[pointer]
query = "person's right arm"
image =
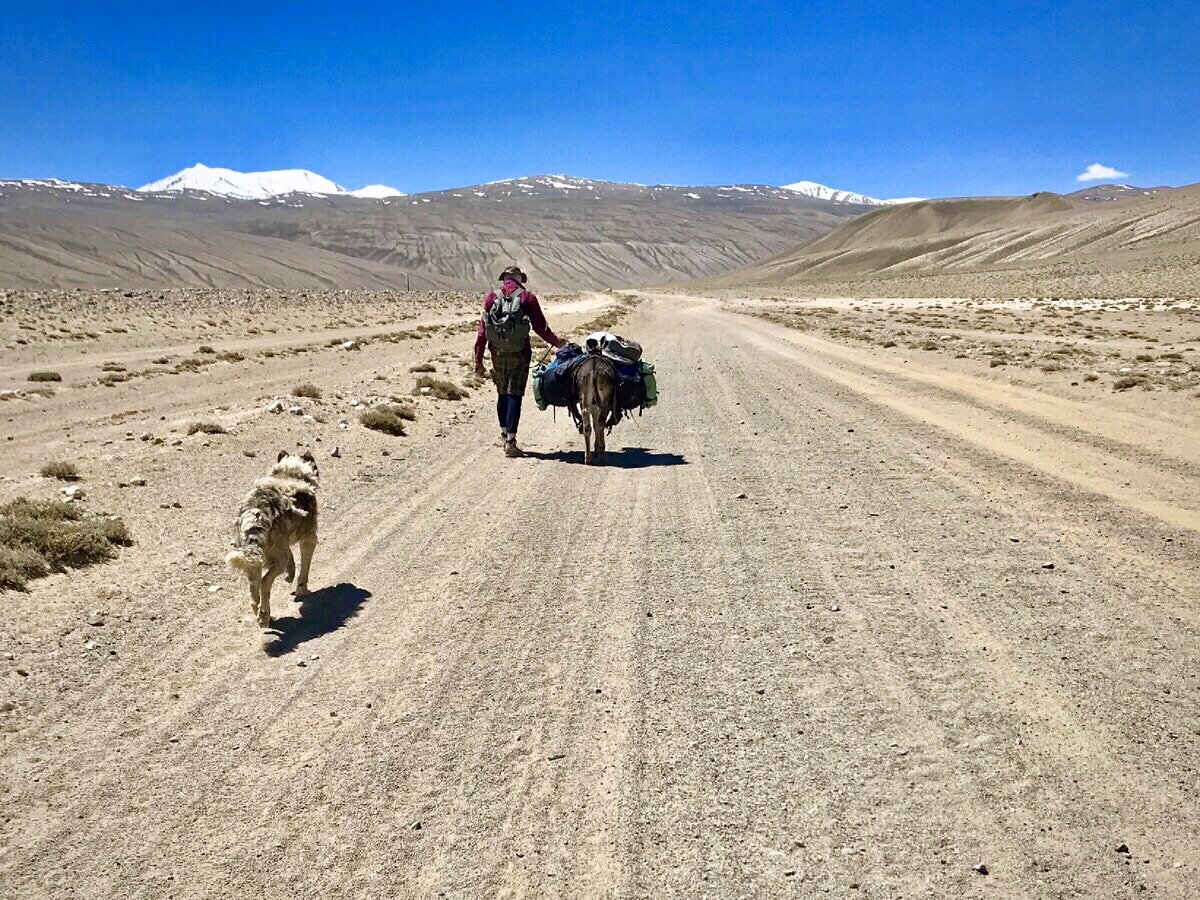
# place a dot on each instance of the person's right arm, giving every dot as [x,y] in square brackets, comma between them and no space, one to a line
[481,334]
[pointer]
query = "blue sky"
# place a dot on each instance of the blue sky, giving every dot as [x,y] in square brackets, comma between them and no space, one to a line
[933,99]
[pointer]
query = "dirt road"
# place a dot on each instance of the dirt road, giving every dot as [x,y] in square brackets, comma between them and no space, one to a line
[825,626]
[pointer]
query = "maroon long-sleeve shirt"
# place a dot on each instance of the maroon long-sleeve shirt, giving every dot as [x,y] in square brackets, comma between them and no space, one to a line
[533,309]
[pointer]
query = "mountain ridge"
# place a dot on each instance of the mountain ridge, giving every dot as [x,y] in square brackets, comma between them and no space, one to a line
[568,233]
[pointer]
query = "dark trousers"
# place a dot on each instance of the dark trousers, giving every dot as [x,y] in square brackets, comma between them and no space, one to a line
[508,412]
[510,373]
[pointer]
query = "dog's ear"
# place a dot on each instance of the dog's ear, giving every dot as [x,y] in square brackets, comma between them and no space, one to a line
[307,455]
[282,454]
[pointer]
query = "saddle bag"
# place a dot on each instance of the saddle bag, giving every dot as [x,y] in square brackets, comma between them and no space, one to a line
[622,351]
[631,387]
[553,384]
[650,397]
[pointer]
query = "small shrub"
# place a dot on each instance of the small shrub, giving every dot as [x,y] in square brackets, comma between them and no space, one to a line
[205,348]
[423,367]
[44,376]
[440,388]
[1129,381]
[63,471]
[385,418]
[230,356]
[206,428]
[308,389]
[37,537]
[161,360]
[1091,376]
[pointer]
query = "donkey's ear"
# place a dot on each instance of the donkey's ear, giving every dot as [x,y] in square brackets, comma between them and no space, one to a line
[282,454]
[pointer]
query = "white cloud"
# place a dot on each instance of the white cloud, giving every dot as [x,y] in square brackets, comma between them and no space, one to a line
[1098,172]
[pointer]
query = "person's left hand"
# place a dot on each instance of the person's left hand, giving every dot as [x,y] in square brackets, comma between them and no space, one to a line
[479,369]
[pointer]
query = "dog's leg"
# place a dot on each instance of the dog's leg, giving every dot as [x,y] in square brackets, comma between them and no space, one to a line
[264,599]
[254,593]
[290,574]
[306,551]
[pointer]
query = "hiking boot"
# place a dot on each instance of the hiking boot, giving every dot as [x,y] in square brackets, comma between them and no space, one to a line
[511,449]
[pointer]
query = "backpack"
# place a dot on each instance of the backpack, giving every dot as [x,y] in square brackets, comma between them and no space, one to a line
[506,324]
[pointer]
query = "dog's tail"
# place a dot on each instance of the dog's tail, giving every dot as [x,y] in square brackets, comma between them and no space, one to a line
[245,560]
[250,533]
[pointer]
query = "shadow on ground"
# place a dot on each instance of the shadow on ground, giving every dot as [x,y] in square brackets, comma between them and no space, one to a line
[628,458]
[321,612]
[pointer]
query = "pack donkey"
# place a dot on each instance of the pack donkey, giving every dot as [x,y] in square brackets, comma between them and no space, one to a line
[596,394]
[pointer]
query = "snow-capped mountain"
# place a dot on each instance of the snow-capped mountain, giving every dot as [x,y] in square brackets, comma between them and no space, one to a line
[823,192]
[244,185]
[258,185]
[377,192]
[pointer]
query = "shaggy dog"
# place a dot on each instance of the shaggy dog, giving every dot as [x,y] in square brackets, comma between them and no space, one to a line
[281,510]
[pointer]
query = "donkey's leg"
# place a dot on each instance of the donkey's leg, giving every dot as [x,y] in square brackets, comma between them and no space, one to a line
[587,435]
[307,547]
[600,428]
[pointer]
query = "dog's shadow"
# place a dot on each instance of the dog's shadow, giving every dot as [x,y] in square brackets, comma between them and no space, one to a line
[321,612]
[627,458]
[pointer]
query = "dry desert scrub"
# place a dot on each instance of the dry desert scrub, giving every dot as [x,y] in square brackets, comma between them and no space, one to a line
[388,418]
[206,428]
[308,389]
[440,388]
[1129,381]
[44,376]
[423,367]
[39,537]
[63,471]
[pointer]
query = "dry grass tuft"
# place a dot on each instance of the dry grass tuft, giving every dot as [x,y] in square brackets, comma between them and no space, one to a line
[423,367]
[388,418]
[63,471]
[44,376]
[1129,381]
[206,428]
[308,389]
[440,388]
[39,537]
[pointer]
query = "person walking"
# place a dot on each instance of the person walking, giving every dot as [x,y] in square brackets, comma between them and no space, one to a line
[508,314]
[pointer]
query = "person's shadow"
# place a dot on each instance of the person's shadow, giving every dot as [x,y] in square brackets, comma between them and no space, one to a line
[321,612]
[626,458]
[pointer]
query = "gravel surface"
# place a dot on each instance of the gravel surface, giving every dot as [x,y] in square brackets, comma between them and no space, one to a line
[827,625]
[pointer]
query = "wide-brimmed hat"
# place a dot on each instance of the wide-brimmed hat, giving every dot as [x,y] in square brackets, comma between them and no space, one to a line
[515,273]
